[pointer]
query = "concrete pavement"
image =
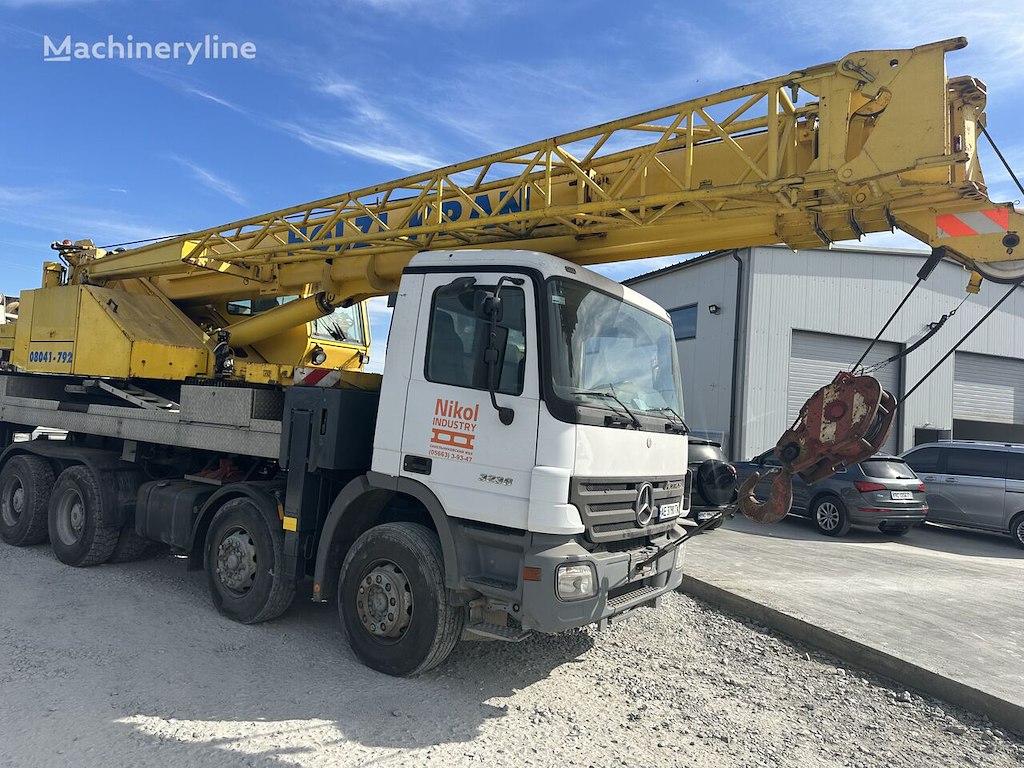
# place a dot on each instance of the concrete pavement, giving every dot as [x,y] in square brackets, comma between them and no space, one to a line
[940,609]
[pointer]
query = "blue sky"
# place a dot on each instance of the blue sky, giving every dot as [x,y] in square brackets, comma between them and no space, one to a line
[341,95]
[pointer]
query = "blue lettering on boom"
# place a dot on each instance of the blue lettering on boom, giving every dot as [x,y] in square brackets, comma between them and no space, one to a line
[453,210]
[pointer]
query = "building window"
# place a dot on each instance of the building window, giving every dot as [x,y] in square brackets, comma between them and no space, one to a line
[684,321]
[458,337]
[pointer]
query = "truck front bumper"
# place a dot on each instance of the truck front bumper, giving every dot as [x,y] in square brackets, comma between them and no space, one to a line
[620,586]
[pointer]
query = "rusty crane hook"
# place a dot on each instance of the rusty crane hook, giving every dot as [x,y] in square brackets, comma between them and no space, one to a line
[842,423]
[780,498]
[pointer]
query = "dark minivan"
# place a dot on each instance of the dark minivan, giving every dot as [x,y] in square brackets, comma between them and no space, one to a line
[881,492]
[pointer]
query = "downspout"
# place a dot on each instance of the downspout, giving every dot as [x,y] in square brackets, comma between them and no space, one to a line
[734,416]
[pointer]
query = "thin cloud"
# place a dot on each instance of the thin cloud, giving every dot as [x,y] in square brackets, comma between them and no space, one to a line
[211,181]
[50,211]
[437,11]
[45,3]
[215,99]
[379,152]
[371,122]
[354,98]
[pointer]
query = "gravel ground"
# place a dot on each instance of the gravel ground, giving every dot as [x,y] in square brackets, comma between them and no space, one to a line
[130,665]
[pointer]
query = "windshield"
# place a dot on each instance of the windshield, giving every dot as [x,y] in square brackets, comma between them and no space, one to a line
[608,355]
[343,324]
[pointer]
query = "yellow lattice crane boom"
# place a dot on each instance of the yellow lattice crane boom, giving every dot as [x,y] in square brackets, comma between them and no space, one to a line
[875,141]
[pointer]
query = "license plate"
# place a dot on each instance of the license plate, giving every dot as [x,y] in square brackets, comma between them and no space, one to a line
[901,495]
[706,514]
[668,511]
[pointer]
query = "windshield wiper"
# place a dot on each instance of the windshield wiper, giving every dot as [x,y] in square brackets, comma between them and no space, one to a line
[611,396]
[682,428]
[336,332]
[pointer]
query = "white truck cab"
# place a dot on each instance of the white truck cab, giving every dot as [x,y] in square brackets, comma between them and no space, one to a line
[577,469]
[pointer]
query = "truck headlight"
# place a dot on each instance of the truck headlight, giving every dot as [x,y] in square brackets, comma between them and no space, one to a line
[575,581]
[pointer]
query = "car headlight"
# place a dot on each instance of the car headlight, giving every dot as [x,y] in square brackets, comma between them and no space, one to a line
[575,581]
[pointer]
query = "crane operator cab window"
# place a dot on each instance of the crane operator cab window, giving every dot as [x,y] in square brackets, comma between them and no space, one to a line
[458,337]
[344,324]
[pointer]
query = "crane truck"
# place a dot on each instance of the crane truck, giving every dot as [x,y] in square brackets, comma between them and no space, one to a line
[520,465]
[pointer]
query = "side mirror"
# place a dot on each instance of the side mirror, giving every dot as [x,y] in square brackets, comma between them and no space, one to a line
[487,306]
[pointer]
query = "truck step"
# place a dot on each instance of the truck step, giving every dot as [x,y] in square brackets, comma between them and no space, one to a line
[488,581]
[498,632]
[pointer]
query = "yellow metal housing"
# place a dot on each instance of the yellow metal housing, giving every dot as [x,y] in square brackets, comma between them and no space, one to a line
[87,330]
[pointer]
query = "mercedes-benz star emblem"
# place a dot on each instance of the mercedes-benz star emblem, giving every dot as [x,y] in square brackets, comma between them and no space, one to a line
[644,504]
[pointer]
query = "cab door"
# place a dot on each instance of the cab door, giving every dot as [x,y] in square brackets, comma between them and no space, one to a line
[453,439]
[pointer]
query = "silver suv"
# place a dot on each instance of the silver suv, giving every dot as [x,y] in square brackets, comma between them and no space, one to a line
[977,485]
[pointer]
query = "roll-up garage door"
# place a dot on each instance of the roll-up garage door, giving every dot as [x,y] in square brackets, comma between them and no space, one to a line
[816,358]
[988,397]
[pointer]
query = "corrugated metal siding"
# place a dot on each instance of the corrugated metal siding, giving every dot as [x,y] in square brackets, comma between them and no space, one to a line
[988,388]
[816,358]
[843,292]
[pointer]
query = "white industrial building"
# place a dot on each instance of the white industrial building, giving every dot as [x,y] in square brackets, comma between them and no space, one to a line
[760,329]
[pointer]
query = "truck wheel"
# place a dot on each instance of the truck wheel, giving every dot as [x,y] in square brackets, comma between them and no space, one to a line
[244,561]
[25,485]
[393,601]
[76,536]
[130,546]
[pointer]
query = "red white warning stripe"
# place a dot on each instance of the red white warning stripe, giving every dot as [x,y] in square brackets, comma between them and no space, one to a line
[990,222]
[317,377]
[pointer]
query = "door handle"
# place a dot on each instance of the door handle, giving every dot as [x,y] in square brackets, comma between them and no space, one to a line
[952,480]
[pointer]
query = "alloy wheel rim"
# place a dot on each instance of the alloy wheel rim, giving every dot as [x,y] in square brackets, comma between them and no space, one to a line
[827,516]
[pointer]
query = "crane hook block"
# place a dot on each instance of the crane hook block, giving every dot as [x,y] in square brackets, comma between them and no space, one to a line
[843,423]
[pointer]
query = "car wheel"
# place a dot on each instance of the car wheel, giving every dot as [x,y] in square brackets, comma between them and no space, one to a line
[1017,529]
[25,485]
[830,516]
[393,600]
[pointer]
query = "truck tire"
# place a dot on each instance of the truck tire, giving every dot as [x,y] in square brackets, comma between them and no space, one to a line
[25,485]
[244,560]
[130,546]
[76,537]
[393,601]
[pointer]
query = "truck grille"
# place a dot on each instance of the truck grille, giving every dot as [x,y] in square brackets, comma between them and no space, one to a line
[607,505]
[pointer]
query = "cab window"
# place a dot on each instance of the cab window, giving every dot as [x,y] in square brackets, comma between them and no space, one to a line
[458,337]
[344,324]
